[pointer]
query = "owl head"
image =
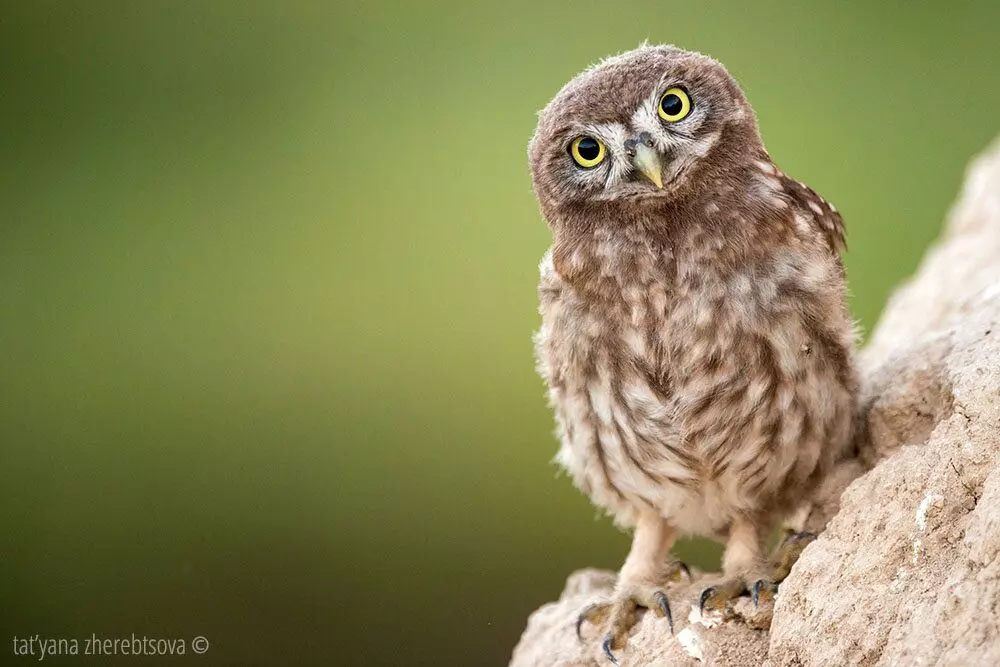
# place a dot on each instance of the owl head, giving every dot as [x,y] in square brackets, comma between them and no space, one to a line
[640,130]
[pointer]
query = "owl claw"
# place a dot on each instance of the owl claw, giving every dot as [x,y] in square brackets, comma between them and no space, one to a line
[606,646]
[705,595]
[661,599]
[719,596]
[755,595]
[620,615]
[761,586]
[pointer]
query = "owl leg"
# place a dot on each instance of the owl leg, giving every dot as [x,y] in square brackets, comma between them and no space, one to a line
[640,585]
[741,566]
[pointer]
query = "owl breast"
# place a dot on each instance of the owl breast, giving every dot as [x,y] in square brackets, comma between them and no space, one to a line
[701,395]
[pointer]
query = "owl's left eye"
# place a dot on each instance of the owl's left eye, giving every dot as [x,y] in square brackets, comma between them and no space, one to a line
[675,105]
[587,152]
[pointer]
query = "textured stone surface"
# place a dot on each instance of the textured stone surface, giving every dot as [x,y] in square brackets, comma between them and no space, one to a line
[908,570]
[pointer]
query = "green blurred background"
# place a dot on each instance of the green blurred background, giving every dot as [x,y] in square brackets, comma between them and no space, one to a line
[267,287]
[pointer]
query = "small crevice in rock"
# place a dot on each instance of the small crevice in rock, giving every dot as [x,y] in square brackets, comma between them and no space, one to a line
[968,487]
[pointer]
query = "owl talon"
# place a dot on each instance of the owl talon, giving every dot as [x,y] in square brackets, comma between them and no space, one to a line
[705,595]
[606,646]
[620,615]
[763,590]
[717,597]
[661,599]
[678,571]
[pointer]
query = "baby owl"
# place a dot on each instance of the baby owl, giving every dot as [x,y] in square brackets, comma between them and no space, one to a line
[695,336]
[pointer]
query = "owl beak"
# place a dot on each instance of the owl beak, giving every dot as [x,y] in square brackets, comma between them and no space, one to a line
[647,161]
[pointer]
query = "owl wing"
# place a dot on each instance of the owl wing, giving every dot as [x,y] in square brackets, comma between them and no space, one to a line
[820,213]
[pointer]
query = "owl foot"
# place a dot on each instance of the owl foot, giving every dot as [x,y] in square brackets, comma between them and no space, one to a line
[716,598]
[620,614]
[780,565]
[760,588]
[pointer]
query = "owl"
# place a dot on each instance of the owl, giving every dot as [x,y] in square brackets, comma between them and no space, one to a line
[695,336]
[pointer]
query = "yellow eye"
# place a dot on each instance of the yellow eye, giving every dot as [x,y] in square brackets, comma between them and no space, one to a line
[587,152]
[675,105]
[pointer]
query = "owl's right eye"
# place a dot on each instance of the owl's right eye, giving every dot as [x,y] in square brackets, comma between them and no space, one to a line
[587,152]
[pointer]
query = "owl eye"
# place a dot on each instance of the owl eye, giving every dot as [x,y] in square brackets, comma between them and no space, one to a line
[587,152]
[675,105]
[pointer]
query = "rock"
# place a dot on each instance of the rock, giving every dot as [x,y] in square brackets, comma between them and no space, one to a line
[907,571]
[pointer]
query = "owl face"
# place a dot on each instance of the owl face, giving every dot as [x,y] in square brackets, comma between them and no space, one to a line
[638,130]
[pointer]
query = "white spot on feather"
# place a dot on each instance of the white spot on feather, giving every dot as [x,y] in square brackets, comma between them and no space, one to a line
[546,267]
[600,397]
[635,341]
[766,167]
[801,224]
[703,145]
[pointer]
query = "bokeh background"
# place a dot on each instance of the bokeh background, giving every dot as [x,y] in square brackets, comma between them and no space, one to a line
[267,287]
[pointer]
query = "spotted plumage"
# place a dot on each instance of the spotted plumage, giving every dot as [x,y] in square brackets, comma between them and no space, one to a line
[695,336]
